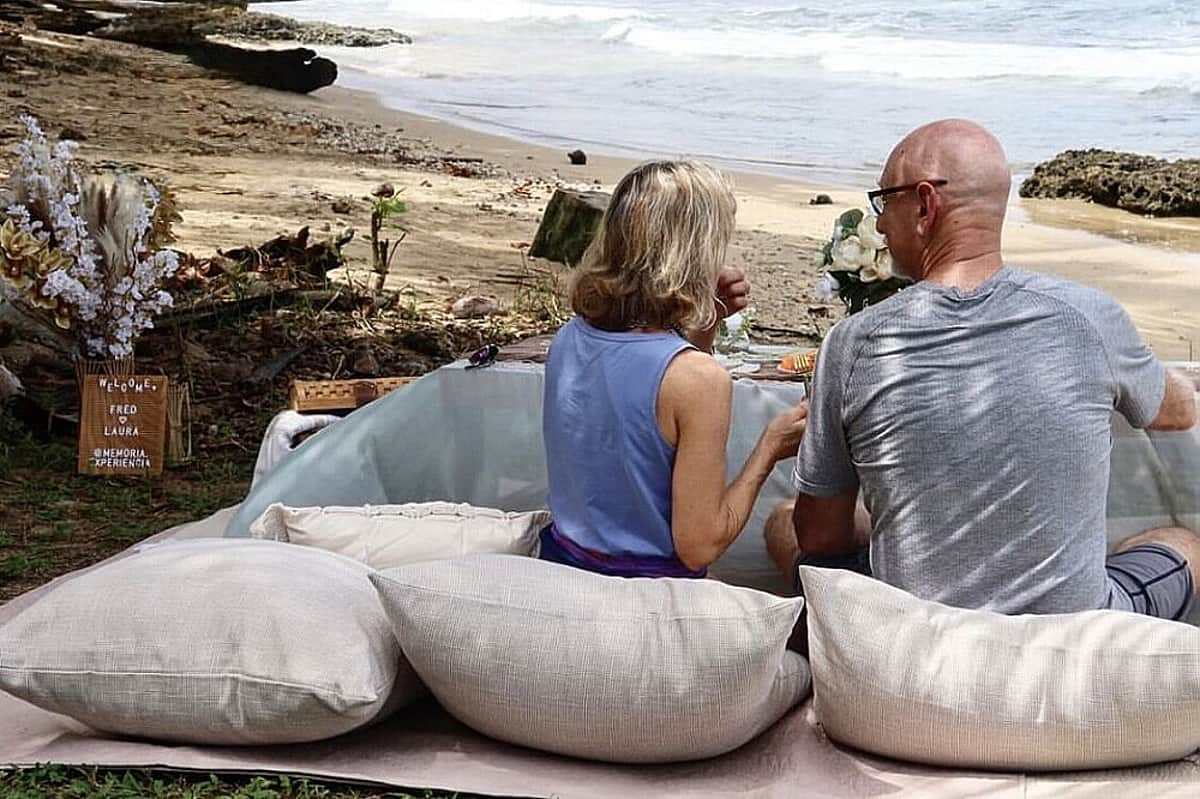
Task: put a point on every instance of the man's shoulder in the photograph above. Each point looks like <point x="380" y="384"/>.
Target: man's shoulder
<point x="1091" y="302"/>
<point x="856" y="328"/>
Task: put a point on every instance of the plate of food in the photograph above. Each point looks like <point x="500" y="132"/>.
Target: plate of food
<point x="802" y="362"/>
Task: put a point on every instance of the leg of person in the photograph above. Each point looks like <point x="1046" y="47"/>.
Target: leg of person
<point x="1155" y="573"/>
<point x="780" y="535"/>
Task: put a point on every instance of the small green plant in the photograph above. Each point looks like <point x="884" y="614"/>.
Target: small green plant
<point x="383" y="250"/>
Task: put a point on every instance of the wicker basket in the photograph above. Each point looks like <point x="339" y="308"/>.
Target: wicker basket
<point x="338" y="395"/>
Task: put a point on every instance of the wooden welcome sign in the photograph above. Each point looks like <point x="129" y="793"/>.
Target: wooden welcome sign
<point x="122" y="424"/>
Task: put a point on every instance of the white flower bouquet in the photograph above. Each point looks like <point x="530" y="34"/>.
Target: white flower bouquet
<point x="83" y="252"/>
<point x="857" y="264"/>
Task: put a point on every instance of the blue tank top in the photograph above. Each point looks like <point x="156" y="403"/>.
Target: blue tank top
<point x="608" y="465"/>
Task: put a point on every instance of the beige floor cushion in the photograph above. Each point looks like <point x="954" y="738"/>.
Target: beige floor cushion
<point x="212" y="641"/>
<point x="605" y="668"/>
<point x="917" y="680"/>
<point x="383" y="536"/>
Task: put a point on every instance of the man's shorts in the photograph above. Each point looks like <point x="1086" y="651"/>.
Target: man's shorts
<point x="1149" y="579"/>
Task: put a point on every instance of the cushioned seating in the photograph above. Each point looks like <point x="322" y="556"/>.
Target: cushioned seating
<point x="605" y="668"/>
<point x="212" y="641"/>
<point x="916" y="680"/>
<point x="383" y="536"/>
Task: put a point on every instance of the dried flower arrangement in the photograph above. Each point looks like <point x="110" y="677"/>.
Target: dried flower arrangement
<point x="83" y="252"/>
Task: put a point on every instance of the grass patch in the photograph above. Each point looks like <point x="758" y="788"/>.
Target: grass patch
<point x="64" y="782"/>
<point x="55" y="520"/>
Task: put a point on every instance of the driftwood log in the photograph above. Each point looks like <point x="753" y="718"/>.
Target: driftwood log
<point x="182" y="29"/>
<point x="297" y="69"/>
<point x="568" y="226"/>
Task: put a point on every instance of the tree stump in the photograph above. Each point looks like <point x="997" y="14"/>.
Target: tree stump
<point x="569" y="224"/>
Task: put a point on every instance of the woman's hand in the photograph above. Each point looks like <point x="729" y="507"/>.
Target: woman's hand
<point x="733" y="291"/>
<point x="784" y="433"/>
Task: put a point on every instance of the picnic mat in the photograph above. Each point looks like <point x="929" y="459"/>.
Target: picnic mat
<point x="463" y="436"/>
<point x="424" y="747"/>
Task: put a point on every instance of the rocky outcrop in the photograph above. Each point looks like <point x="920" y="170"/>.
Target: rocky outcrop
<point x="1137" y="183"/>
<point x="270" y="27"/>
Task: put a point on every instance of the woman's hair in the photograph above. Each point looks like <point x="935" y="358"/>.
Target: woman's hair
<point x="661" y="243"/>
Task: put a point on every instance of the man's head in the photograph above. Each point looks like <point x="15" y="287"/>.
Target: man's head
<point x="952" y="183"/>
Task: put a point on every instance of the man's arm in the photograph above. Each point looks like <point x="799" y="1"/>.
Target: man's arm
<point x="1178" y="409"/>
<point x="825" y="476"/>
<point x="826" y="525"/>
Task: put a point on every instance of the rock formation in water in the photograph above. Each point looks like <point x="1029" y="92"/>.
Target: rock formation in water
<point x="1138" y="183"/>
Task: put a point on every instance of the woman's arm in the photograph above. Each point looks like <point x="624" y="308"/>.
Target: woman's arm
<point x="695" y="403"/>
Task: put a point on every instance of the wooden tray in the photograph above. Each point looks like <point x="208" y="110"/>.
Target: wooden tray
<point x="339" y="395"/>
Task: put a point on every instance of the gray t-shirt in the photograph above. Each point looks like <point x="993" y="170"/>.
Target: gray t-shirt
<point x="978" y="424"/>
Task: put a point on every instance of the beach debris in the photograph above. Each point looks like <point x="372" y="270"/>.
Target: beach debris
<point x="295" y="254"/>
<point x="475" y="307"/>
<point x="821" y="199"/>
<point x="265" y="373"/>
<point x="577" y="157"/>
<point x="460" y="169"/>
<point x="10" y="386"/>
<point x="363" y="362"/>
<point x="568" y="225"/>
<point x="384" y="190"/>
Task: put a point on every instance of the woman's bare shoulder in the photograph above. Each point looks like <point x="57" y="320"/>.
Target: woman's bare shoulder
<point x="693" y="373"/>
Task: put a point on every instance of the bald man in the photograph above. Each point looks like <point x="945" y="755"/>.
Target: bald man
<point x="973" y="413"/>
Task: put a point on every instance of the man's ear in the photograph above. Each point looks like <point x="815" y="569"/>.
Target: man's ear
<point x="927" y="208"/>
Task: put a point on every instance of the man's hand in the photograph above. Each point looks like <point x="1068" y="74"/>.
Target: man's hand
<point x="733" y="291"/>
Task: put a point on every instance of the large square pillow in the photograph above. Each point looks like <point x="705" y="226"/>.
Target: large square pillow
<point x="212" y="641"/>
<point x="918" y="680"/>
<point x="383" y="536"/>
<point x="605" y="668"/>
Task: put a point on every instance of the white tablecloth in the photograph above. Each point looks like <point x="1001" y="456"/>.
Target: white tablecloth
<point x="475" y="436"/>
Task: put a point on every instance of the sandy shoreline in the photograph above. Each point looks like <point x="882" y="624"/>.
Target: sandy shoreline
<point x="249" y="163"/>
<point x="1152" y="266"/>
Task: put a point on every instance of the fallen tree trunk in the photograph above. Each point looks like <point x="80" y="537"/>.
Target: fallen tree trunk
<point x="182" y="29"/>
<point x="295" y="70"/>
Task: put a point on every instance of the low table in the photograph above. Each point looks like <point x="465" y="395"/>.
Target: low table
<point x="475" y="435"/>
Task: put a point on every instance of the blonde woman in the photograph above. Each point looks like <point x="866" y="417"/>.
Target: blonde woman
<point x="637" y="412"/>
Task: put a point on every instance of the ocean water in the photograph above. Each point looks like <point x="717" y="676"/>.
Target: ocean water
<point x="815" y="89"/>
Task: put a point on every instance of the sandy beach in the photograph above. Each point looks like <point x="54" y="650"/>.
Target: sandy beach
<point x="250" y="163"/>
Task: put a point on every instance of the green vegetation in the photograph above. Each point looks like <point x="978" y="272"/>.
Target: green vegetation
<point x="61" y="782"/>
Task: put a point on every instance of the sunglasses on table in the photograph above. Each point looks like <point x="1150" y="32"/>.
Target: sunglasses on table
<point x="878" y="197"/>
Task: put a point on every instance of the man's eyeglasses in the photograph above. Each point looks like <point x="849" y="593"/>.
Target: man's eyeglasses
<point x="878" y="197"/>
